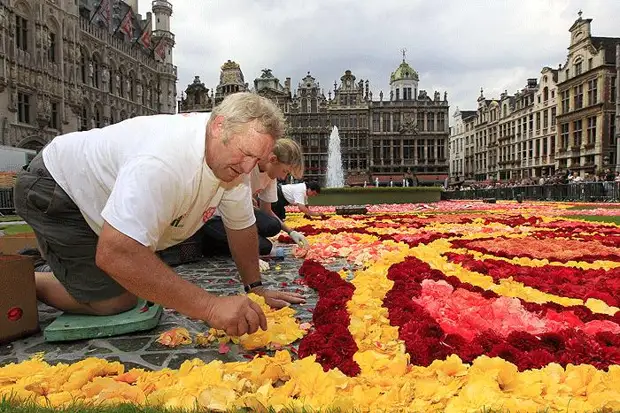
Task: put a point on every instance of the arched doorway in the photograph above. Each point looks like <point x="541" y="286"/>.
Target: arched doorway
<point x="35" y="143"/>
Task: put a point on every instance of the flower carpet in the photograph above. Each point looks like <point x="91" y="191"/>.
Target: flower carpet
<point x="448" y="307"/>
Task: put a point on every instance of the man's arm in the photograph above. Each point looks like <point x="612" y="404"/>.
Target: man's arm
<point x="303" y="208"/>
<point x="142" y="273"/>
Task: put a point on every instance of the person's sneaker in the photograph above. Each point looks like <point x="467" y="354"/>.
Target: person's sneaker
<point x="40" y="265"/>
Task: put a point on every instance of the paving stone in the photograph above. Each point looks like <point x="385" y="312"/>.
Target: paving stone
<point x="156" y="359"/>
<point x="140" y="350"/>
<point x="130" y="344"/>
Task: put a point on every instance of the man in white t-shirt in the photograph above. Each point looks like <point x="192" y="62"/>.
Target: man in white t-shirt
<point x="103" y="201"/>
<point x="296" y="195"/>
<point x="286" y="158"/>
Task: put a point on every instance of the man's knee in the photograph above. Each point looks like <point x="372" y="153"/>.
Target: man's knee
<point x="115" y="305"/>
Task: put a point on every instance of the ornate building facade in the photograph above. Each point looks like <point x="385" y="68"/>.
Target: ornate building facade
<point x="68" y="65"/>
<point x="564" y="120"/>
<point x="387" y="139"/>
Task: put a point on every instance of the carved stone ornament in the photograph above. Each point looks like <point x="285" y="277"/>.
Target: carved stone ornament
<point x="105" y="76"/>
<point x="139" y="90"/>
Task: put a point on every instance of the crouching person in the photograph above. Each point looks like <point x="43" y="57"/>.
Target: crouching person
<point x="102" y="202"/>
<point x="286" y="158"/>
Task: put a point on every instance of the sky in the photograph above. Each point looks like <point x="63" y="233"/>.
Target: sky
<point x="456" y="46"/>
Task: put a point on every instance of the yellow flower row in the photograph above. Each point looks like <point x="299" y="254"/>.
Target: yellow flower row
<point x="279" y="383"/>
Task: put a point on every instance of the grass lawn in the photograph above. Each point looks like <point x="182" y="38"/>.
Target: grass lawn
<point x="589" y="207"/>
<point x="597" y="218"/>
<point x="15" y="229"/>
<point x="9" y="218"/>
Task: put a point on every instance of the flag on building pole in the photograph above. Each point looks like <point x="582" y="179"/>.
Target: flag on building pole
<point x="145" y="37"/>
<point x="126" y="25"/>
<point x="160" y="50"/>
<point x="104" y="10"/>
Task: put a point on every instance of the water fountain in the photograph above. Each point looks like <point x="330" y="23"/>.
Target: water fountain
<point x="335" y="175"/>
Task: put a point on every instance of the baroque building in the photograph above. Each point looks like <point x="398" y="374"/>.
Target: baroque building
<point x="69" y="65"/>
<point x="564" y="120"/>
<point x="386" y="139"/>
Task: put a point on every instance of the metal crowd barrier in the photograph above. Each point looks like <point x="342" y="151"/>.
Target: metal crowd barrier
<point x="583" y="191"/>
<point x="7" y="204"/>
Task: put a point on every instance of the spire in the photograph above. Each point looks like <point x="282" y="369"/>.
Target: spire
<point x="404" y="52"/>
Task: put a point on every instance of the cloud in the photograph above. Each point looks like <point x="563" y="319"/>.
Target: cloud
<point x="456" y="46"/>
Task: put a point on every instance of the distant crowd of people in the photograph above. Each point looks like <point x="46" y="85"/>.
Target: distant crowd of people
<point x="565" y="177"/>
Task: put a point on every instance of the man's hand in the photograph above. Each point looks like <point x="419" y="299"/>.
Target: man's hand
<point x="299" y="239"/>
<point x="279" y="299"/>
<point x="236" y="315"/>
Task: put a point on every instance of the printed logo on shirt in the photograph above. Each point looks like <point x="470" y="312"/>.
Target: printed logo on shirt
<point x="176" y="223"/>
<point x="208" y="214"/>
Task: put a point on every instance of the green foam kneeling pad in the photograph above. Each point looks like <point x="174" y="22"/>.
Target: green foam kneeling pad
<point x="68" y="327"/>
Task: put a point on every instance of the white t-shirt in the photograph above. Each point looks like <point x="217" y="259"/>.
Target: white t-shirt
<point x="263" y="186"/>
<point x="295" y="193"/>
<point x="147" y="177"/>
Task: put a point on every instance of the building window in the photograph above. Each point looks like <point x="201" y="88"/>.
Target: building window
<point x="545" y="118"/>
<point x="553" y="113"/>
<point x="98" y="118"/>
<point x="21" y="33"/>
<point x="430" y="122"/>
<point x="590" y="64"/>
<point x="386" y="123"/>
<point x="564" y="136"/>
<point x="420" y="150"/>
<point x="376" y="153"/>
<point x="376" y="124"/>
<point x="51" y="52"/>
<point x="613" y="91"/>
<point x="23" y="107"/>
<point x="96" y="73"/>
<point x="397" y="94"/>
<point x="83" y="67"/>
<point x="408" y="149"/>
<point x="54" y="116"/>
<point x="577" y="132"/>
<point x="592" y="92"/>
<point x="566" y="101"/>
<point x="84" y="119"/>
<point x="545" y="94"/>
<point x="420" y="123"/>
<point x="387" y="149"/>
<point x="396" y="121"/>
<point x="578" y="68"/>
<point x="441" y="149"/>
<point x="441" y="122"/>
<point x="591" y="132"/>
<point x="544" y="147"/>
<point x="538" y="121"/>
<point x="578" y="97"/>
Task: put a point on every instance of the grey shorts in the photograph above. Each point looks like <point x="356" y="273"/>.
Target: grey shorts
<point x="66" y="241"/>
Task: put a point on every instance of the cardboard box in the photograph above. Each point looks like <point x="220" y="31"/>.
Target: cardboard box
<point x="19" y="314"/>
<point x="12" y="244"/>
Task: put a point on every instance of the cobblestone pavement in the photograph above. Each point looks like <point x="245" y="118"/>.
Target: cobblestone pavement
<point x="215" y="274"/>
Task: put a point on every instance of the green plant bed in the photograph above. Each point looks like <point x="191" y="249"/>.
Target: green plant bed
<point x="15" y="229"/>
<point x="597" y="218"/>
<point x="372" y="196"/>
